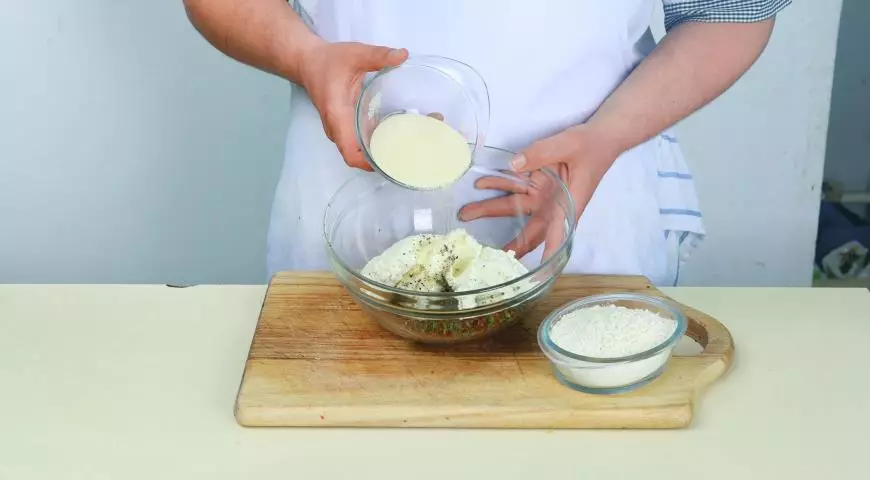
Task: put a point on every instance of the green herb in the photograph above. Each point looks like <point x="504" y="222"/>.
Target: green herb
<point x="464" y="328"/>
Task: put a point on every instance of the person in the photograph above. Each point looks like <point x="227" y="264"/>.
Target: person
<point x="579" y="85"/>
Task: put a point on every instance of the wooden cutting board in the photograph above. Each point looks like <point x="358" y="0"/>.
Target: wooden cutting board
<point x="317" y="360"/>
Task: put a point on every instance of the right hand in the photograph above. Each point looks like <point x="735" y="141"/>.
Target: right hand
<point x="332" y="74"/>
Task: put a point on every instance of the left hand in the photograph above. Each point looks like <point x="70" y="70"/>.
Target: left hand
<point x="579" y="155"/>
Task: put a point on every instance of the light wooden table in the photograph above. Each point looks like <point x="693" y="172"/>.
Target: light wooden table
<point x="129" y="382"/>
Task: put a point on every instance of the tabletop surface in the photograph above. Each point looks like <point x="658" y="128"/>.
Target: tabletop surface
<point x="129" y="382"/>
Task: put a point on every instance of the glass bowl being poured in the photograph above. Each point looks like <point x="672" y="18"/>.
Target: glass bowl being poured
<point x="438" y="87"/>
<point x="369" y="214"/>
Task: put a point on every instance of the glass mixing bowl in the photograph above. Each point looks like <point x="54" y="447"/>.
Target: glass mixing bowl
<point x="369" y="213"/>
<point x="425" y="85"/>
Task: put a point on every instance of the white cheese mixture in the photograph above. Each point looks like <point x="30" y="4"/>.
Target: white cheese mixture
<point x="454" y="262"/>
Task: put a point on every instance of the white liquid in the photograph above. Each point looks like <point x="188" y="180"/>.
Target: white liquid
<point x="419" y="151"/>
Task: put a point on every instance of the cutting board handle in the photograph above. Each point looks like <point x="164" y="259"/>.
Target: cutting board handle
<point x="717" y="343"/>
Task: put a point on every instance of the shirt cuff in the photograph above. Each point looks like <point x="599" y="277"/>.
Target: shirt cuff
<point x="720" y="11"/>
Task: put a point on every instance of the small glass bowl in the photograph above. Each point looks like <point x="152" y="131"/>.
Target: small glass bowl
<point x="425" y="85"/>
<point x="611" y="375"/>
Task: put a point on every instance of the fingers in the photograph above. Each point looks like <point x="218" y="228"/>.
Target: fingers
<point x="519" y="201"/>
<point x="550" y="248"/>
<point x="436" y="116"/>
<point x="370" y="58"/>
<point x="354" y="157"/>
<point x="374" y="58"/>
<point x="505" y="206"/>
<point x="529" y="238"/>
<point x="335" y="86"/>
<point x="340" y="127"/>
<point x="553" y="237"/>
<point x="544" y="225"/>
<point x="500" y="183"/>
<point x="539" y="154"/>
<point x="541" y="228"/>
<point x="345" y="140"/>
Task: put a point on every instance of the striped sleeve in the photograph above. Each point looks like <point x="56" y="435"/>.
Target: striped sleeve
<point x="720" y="11"/>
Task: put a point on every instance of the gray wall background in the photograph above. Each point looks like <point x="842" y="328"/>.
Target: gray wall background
<point x="131" y="151"/>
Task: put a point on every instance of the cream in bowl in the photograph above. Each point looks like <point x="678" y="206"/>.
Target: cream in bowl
<point x="611" y="343"/>
<point x="419" y="151"/>
<point x="422" y="124"/>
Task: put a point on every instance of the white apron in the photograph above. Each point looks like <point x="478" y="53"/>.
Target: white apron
<point x="547" y="68"/>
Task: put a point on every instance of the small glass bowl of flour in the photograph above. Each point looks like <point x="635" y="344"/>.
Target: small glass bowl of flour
<point x="611" y="343"/>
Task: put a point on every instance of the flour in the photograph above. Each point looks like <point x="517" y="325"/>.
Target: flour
<point x="609" y="332"/>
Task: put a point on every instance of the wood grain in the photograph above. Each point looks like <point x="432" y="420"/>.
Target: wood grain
<point x="317" y="360"/>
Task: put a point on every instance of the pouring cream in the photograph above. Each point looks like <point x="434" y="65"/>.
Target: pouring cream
<point x="419" y="151"/>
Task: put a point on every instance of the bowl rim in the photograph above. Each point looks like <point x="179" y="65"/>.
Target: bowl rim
<point x="566" y="244"/>
<point x="549" y="347"/>
<point x="420" y="61"/>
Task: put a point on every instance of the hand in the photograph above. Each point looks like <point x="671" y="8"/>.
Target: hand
<point x="578" y="155"/>
<point x="332" y="74"/>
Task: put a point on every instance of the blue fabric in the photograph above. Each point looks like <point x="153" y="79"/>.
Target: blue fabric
<point x="838" y="226"/>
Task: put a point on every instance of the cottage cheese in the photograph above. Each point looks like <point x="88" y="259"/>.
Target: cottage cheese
<point x="454" y="262"/>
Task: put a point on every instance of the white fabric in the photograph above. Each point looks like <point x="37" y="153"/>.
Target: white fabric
<point x="547" y="68"/>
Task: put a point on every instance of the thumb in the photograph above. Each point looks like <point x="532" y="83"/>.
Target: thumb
<point x="374" y="58"/>
<point x="536" y="156"/>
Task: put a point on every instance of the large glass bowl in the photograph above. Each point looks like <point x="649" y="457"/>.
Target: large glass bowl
<point x="426" y="85"/>
<point x="369" y="213"/>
